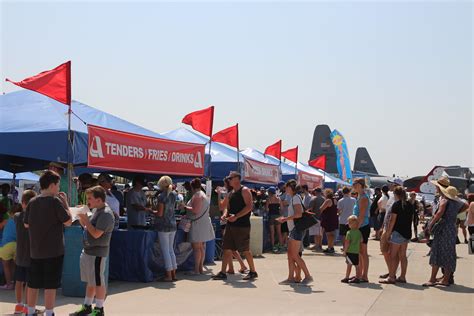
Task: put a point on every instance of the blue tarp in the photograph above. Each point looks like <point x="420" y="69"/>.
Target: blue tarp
<point x="33" y="130"/>
<point x="224" y="158"/>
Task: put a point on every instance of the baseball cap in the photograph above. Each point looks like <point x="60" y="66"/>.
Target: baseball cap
<point x="105" y="177"/>
<point x="272" y="190"/>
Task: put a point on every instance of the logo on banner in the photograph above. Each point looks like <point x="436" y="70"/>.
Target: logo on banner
<point x="198" y="161"/>
<point x="97" y="151"/>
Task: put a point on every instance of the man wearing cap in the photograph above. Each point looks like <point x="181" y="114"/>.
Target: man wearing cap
<point x="237" y="231"/>
<point x="136" y="204"/>
<point x="315" y="207"/>
<point x="106" y="181"/>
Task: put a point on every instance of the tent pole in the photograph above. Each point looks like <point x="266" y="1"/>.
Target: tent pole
<point x="210" y="158"/>
<point x="69" y="164"/>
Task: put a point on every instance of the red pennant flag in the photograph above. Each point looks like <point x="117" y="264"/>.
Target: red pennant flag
<point x="291" y="154"/>
<point x="319" y="163"/>
<point x="201" y="121"/>
<point x="274" y="150"/>
<point x="229" y="136"/>
<point x="54" y="83"/>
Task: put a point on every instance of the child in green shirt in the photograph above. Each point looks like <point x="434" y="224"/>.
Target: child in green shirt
<point x="352" y="249"/>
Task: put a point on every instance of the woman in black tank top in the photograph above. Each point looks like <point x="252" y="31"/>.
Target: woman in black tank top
<point x="273" y="208"/>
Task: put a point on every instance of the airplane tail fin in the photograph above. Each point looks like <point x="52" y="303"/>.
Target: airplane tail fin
<point x="363" y="162"/>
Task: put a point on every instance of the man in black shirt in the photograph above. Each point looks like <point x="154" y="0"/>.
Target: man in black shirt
<point x="237" y="232"/>
<point x="374" y="209"/>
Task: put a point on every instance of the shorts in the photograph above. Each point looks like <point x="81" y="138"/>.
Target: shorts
<point x="236" y="238"/>
<point x="273" y="220"/>
<point x="92" y="270"/>
<point x="46" y="273"/>
<point x="353" y="259"/>
<point x="343" y="229"/>
<point x="296" y="234"/>
<point x="398" y="239"/>
<point x="284" y="228"/>
<point x="7" y="252"/>
<point x="460" y="222"/>
<point x="379" y="222"/>
<point x="365" y="230"/>
<point x="21" y="274"/>
<point x="315" y="230"/>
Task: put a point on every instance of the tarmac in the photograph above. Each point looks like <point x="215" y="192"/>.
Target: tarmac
<point x="328" y="296"/>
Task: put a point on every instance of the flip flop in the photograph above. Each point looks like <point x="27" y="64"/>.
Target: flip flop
<point x="399" y="280"/>
<point x="428" y="284"/>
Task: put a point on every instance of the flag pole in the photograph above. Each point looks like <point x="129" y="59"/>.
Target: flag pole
<point x="70" y="142"/>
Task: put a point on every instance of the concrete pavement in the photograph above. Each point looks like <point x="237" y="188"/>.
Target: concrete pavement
<point x="202" y="296"/>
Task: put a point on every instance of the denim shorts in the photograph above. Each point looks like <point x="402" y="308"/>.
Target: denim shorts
<point x="296" y="234"/>
<point x="398" y="239"/>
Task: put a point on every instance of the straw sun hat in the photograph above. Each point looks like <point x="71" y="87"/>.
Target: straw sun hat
<point x="444" y="185"/>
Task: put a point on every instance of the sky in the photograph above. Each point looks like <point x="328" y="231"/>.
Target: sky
<point x="395" y="77"/>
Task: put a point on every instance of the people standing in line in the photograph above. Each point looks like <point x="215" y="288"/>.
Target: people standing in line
<point x="237" y="232"/>
<point x="201" y="230"/>
<point x="382" y="211"/>
<point x="106" y="181"/>
<point x="374" y="209"/>
<point x="119" y="196"/>
<point x="96" y="246"/>
<point x="316" y="230"/>
<point x="306" y="197"/>
<point x="329" y="219"/>
<point x="45" y="218"/>
<point x="443" y="228"/>
<point x="273" y="208"/>
<point x="223" y="207"/>
<point x="416" y="214"/>
<point x="345" y="206"/>
<point x="461" y="222"/>
<point x="284" y="200"/>
<point x="137" y="204"/>
<point x="470" y="214"/>
<point x="22" y="260"/>
<point x="361" y="210"/>
<point x="352" y="242"/>
<point x="295" y="261"/>
<point x="399" y="234"/>
<point x="165" y="224"/>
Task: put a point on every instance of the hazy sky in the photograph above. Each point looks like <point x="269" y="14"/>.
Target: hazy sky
<point x="393" y="77"/>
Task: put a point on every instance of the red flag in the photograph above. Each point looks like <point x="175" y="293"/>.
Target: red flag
<point x="202" y="121"/>
<point x="319" y="163"/>
<point x="54" y="83"/>
<point x="229" y="136"/>
<point x="274" y="150"/>
<point x="291" y="154"/>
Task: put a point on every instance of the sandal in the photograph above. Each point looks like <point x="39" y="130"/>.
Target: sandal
<point x="400" y="280"/>
<point x="346" y="280"/>
<point x="243" y="271"/>
<point x="387" y="281"/>
<point x="363" y="281"/>
<point x="442" y="284"/>
<point x="428" y="284"/>
<point x="384" y="276"/>
<point x="354" y="281"/>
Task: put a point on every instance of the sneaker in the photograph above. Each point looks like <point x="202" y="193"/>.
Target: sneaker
<point x="8" y="287"/>
<point x="251" y="276"/>
<point x="19" y="309"/>
<point x="85" y="310"/>
<point x="98" y="312"/>
<point x="329" y="251"/>
<point x="220" y="277"/>
<point x="287" y="282"/>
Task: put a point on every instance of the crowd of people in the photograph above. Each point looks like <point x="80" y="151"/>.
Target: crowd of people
<point x="32" y="245"/>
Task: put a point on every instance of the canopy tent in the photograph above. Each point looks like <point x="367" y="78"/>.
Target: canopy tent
<point x="29" y="176"/>
<point x="327" y="177"/>
<point x="224" y="158"/>
<point x="34" y="130"/>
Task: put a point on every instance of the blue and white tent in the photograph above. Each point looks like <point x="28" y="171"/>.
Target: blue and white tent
<point x="34" y="130"/>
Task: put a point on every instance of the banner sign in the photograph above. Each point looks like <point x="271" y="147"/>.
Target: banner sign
<point x="343" y="162"/>
<point x="115" y="150"/>
<point x="259" y="172"/>
<point x="313" y="181"/>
